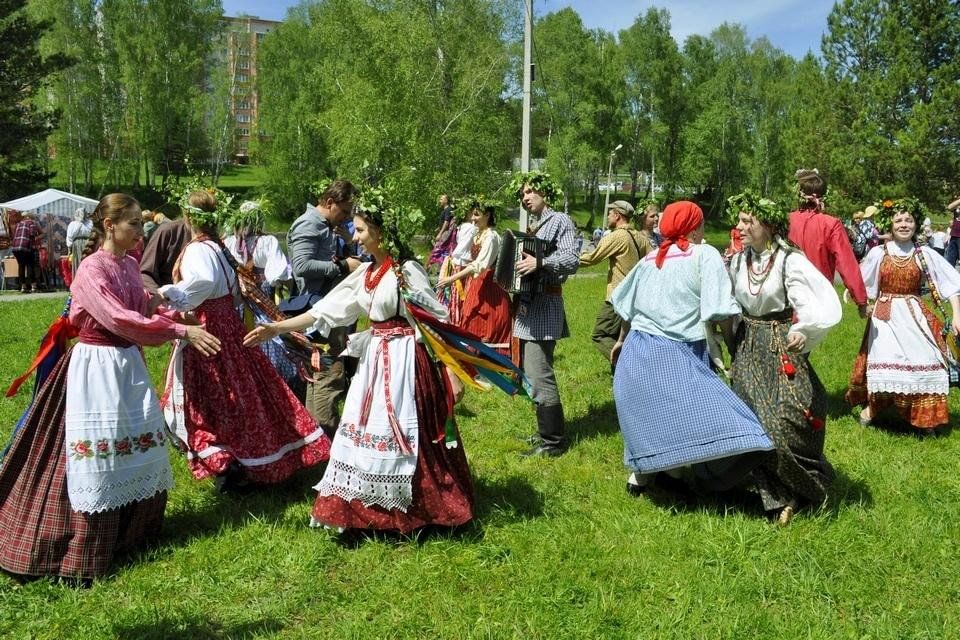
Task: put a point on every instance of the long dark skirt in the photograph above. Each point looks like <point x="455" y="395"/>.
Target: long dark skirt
<point x="797" y="472"/>
<point x="442" y="488"/>
<point x="40" y="534"/>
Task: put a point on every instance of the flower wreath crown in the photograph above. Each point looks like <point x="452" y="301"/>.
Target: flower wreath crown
<point x="888" y="208"/>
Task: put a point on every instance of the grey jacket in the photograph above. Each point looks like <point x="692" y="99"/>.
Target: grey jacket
<point x="312" y="245"/>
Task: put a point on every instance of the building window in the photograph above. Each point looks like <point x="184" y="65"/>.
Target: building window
<point x="243" y="64"/>
<point x="243" y="117"/>
<point x="243" y="131"/>
<point x="260" y="37"/>
<point x="243" y="51"/>
<point x="242" y="77"/>
<point x="243" y="104"/>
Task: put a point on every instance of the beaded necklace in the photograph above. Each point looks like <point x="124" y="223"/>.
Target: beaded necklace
<point x="759" y="278"/>
<point x="370" y="282"/>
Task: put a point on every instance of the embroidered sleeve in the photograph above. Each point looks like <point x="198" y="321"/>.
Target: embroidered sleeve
<point x="487" y="256"/>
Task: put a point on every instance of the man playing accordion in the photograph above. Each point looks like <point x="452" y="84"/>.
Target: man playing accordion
<point x="539" y="318"/>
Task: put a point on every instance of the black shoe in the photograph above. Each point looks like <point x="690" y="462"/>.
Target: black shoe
<point x="544" y="451"/>
<point x="636" y="490"/>
<point x="532" y="440"/>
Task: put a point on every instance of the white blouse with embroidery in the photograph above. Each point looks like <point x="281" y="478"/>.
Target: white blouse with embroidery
<point x="792" y="281"/>
<point x="945" y="277"/>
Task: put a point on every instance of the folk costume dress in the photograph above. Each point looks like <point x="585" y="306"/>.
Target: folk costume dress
<point x="452" y="296"/>
<point x="901" y="362"/>
<point x="390" y="468"/>
<point x="673" y="409"/>
<point x="486" y="309"/>
<point x="88" y="473"/>
<point x="232" y="408"/>
<point x="270" y="267"/>
<point x="780" y="291"/>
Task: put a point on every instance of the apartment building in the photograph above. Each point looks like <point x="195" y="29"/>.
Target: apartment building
<point x="243" y="37"/>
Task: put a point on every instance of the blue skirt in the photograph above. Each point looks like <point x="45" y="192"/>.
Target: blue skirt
<point x="674" y="411"/>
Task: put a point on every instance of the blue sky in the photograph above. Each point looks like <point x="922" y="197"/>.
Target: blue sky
<point x="795" y="26"/>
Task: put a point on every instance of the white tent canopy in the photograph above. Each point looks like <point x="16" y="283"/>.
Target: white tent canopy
<point x="52" y="201"/>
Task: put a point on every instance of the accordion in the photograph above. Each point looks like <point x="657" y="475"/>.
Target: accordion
<point x="512" y="247"/>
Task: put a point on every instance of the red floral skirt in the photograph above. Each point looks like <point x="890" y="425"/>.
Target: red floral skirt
<point x="442" y="488"/>
<point x="486" y="312"/>
<point x="40" y="534"/>
<point x="238" y="408"/>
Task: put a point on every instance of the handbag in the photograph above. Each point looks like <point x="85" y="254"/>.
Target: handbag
<point x="952" y="352"/>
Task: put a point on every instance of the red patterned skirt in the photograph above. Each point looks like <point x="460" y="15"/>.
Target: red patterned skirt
<point x="486" y="312"/>
<point x="40" y="534"/>
<point x="237" y="408"/>
<point x="442" y="488"/>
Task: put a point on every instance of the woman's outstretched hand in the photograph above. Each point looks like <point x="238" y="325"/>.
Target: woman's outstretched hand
<point x="260" y="334"/>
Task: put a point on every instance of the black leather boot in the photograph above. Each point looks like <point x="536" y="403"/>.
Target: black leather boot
<point x="550" y="425"/>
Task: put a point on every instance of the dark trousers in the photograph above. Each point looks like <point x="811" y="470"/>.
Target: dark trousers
<point x="538" y="367"/>
<point x="27" y="265"/>
<point x="952" y="252"/>
<point x="324" y="395"/>
<point x="606" y="329"/>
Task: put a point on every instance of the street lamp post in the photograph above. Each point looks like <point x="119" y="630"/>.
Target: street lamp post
<point x="606" y="202"/>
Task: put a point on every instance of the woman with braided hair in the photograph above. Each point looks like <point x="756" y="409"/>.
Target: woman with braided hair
<point x="87" y="474"/>
<point x="901" y="365"/>
<point x="787" y="308"/>
<point x="393" y="464"/>
<point x="234" y="415"/>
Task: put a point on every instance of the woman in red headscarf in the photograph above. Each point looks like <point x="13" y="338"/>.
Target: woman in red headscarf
<point x="664" y="361"/>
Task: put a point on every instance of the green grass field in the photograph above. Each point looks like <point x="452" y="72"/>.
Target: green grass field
<point x="557" y="549"/>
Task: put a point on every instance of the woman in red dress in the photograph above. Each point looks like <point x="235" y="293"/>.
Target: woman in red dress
<point x="233" y="413"/>
<point x="486" y="308"/>
<point x="391" y="466"/>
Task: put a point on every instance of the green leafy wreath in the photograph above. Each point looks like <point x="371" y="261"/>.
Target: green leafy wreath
<point x="398" y="224"/>
<point x="541" y="182"/>
<point x="765" y="210"/>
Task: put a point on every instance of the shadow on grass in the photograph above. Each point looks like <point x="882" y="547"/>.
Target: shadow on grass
<point x="596" y="421"/>
<point x="674" y="495"/>
<point x="496" y="501"/>
<point x="235" y="509"/>
<point x="195" y="629"/>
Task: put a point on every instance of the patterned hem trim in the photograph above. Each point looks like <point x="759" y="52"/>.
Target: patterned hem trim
<point x="349" y="483"/>
<point x="258" y="462"/>
<point x="940" y="389"/>
<point x="121" y="500"/>
<point x="897" y="366"/>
